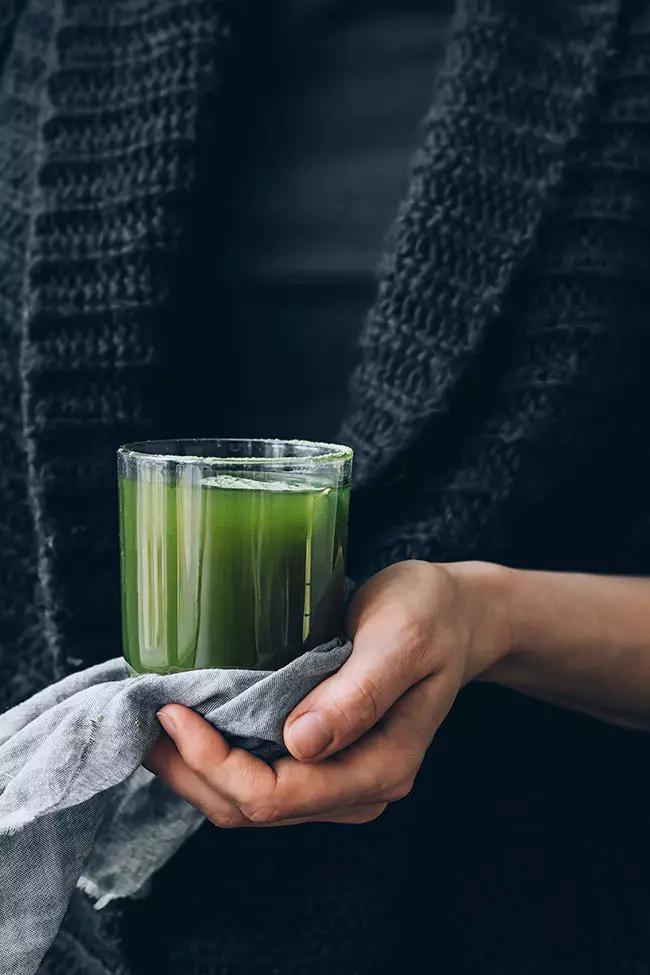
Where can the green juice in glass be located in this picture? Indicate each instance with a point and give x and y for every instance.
(229, 568)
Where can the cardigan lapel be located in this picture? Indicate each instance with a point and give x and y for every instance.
(128, 87)
(518, 89)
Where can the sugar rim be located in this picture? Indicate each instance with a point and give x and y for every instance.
(330, 452)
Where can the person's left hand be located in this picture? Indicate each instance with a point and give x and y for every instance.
(420, 631)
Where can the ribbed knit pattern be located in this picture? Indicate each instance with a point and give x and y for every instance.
(501, 411)
(24, 660)
(102, 106)
(513, 308)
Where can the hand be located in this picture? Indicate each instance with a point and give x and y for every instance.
(420, 631)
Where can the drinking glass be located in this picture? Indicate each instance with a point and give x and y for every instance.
(232, 551)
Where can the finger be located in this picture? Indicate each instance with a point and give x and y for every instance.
(344, 707)
(380, 767)
(165, 761)
(236, 774)
(357, 816)
(289, 790)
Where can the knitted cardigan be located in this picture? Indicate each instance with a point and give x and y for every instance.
(500, 411)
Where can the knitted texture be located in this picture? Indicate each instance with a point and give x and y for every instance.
(101, 107)
(513, 307)
(500, 411)
(24, 660)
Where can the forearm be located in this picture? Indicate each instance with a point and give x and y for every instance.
(581, 641)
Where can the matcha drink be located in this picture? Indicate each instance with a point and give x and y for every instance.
(231, 564)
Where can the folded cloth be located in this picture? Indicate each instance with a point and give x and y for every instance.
(77, 808)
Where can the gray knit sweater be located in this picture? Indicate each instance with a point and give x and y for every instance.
(500, 411)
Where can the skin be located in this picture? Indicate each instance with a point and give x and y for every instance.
(421, 631)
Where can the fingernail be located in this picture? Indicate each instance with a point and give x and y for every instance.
(310, 735)
(167, 721)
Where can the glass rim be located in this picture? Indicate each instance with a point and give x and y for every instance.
(328, 452)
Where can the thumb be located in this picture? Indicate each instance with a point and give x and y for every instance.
(345, 706)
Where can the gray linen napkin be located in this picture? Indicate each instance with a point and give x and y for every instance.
(77, 808)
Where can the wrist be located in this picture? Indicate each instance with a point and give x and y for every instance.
(487, 590)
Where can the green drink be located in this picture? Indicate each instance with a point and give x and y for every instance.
(233, 552)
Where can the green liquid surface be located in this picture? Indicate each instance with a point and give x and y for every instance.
(229, 571)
